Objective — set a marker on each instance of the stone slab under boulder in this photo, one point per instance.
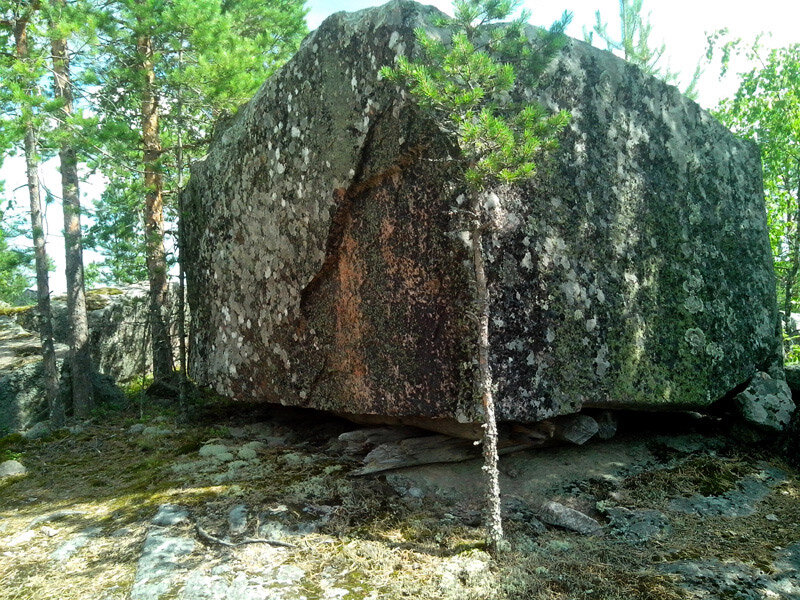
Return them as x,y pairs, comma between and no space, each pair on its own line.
326,268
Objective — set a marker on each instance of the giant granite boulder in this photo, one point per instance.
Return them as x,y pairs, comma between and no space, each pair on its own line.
327,269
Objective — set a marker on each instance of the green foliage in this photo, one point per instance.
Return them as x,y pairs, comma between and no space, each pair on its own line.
766,109
467,87
210,57
633,43
118,232
15,264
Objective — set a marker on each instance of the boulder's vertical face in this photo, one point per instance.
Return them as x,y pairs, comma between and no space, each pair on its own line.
326,268
641,273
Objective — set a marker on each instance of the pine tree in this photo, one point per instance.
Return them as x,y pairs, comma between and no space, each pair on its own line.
62,21
21,70
173,68
466,87
634,46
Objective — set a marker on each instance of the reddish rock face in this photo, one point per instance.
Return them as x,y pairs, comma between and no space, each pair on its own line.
328,267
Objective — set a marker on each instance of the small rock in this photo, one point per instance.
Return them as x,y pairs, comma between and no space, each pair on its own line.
218,452
69,548
76,429
793,377
169,515
122,532
38,431
767,402
49,531
12,468
237,519
55,516
136,428
562,516
606,425
160,566
416,492
772,517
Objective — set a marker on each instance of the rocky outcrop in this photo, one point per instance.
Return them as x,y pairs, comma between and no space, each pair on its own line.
118,328
326,267
119,339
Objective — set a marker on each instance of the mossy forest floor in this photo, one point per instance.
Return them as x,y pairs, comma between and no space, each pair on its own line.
689,508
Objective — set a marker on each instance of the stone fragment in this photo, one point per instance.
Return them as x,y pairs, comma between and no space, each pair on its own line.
326,268
11,468
69,548
237,519
136,428
558,515
160,567
169,515
606,425
767,402
793,377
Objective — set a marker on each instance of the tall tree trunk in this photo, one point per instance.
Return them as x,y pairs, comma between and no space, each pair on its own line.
794,266
154,214
79,354
182,381
493,519
55,407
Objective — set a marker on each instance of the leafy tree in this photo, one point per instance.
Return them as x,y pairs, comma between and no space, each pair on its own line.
766,109
634,46
466,87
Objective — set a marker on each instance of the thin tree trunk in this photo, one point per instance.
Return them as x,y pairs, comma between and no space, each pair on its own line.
79,354
56,409
794,268
493,519
153,215
182,381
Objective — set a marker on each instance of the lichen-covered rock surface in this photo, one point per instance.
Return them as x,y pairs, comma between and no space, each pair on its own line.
119,341
326,268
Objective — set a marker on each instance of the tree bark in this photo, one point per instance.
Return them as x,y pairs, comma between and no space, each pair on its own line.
794,268
154,214
183,380
79,354
56,408
493,518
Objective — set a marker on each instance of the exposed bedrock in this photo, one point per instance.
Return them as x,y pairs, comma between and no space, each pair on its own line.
326,268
